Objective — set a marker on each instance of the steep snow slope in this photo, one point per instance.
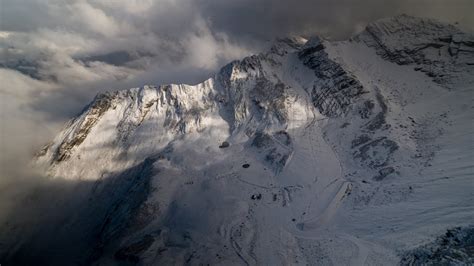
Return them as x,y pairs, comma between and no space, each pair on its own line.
315,152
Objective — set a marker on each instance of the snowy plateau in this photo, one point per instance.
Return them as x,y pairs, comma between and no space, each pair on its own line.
314,152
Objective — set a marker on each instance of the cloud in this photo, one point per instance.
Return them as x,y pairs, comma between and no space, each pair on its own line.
337,19
22,129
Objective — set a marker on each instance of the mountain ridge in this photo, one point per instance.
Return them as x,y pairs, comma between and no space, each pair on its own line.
326,143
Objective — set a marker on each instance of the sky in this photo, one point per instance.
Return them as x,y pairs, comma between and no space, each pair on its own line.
55,55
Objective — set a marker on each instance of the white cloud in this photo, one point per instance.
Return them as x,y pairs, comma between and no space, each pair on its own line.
22,129
94,19
205,49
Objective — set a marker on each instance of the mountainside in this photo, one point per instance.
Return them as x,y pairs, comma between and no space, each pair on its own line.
314,152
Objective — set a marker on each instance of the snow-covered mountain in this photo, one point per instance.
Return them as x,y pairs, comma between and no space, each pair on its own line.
315,152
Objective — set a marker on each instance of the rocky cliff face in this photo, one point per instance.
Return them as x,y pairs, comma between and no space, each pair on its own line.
334,89
307,153
246,97
439,50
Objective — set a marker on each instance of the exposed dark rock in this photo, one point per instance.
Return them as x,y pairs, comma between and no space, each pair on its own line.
224,144
131,252
256,196
270,99
360,140
366,110
276,158
408,40
384,172
276,148
311,50
377,152
283,137
262,140
379,120
345,125
245,165
335,89
283,45
93,113
455,247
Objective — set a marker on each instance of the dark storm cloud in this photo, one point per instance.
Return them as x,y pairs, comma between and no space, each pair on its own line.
338,19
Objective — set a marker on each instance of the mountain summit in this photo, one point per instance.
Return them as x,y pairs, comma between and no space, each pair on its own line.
313,152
